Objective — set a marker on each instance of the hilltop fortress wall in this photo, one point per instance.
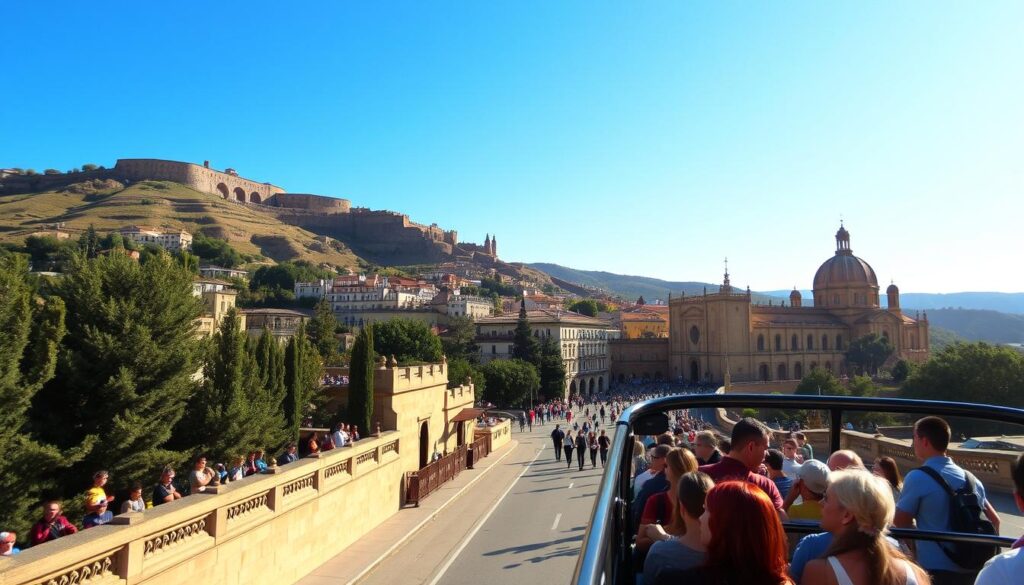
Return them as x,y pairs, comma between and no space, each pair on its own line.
385,236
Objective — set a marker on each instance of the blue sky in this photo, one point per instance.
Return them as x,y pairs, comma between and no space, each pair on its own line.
648,138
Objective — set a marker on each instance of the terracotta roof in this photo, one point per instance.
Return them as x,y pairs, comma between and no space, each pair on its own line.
793,316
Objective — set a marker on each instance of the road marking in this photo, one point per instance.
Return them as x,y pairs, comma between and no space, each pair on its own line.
465,542
555,524
571,484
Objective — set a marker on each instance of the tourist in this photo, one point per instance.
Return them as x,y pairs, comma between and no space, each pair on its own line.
339,436
844,459
775,461
657,483
567,445
164,491
557,437
857,511
792,457
93,494
924,499
290,455
603,443
885,467
200,477
810,485
261,465
310,444
7,541
354,434
52,525
684,550
222,473
581,448
806,450
134,501
592,441
744,539
99,515
660,515
237,469
640,461
250,464
326,442
749,442
1002,568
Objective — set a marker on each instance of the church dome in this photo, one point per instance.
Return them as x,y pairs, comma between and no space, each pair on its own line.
844,269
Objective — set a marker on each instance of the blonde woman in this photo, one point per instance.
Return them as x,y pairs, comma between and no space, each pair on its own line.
660,517
856,510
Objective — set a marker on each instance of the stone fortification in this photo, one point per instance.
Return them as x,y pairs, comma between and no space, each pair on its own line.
308,202
226,184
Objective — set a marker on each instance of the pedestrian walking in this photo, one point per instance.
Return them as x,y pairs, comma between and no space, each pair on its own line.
522,424
603,442
567,445
592,439
581,448
556,439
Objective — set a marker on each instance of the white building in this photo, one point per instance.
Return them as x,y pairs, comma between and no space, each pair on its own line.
172,240
583,342
221,272
469,306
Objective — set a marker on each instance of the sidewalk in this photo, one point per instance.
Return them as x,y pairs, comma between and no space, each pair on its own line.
364,555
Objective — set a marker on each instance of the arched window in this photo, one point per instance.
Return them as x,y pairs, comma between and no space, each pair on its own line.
824,342
835,299
828,367
778,342
839,342
798,371
782,372
763,373
694,334
760,343
810,342
794,343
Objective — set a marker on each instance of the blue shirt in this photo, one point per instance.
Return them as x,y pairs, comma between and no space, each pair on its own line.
784,484
926,500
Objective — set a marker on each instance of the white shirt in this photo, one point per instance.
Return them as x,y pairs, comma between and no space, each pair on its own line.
339,438
640,480
1000,569
790,467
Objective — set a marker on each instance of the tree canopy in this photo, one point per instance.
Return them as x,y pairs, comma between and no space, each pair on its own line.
408,340
974,372
820,381
510,382
866,354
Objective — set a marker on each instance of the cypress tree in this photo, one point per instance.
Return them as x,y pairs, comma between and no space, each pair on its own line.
32,332
321,333
126,368
524,345
267,392
292,404
360,382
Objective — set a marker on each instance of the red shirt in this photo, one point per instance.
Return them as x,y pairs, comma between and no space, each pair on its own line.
41,531
657,509
734,469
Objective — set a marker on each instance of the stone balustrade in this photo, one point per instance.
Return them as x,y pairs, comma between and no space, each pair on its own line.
501,434
272,528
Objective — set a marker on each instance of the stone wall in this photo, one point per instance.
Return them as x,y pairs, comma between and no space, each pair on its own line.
317,203
200,178
638,358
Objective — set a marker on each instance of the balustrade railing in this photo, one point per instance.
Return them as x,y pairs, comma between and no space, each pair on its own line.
425,481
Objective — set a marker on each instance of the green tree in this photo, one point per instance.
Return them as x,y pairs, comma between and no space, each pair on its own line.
901,371
407,340
89,167
32,332
586,307
459,342
866,354
862,386
510,382
524,344
321,330
89,242
460,369
360,381
551,370
303,371
977,372
126,366
820,381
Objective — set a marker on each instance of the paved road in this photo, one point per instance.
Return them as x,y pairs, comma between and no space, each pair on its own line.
523,523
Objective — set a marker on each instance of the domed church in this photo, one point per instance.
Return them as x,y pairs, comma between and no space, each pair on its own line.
724,331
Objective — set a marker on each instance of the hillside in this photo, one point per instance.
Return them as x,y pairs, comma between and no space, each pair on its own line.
993,301
979,325
168,205
630,287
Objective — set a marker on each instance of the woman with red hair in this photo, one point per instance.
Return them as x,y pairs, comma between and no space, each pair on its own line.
744,538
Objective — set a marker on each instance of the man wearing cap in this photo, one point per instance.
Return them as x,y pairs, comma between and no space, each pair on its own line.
7,548
811,483
100,515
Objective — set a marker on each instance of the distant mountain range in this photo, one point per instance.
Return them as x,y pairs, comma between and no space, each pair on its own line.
973,316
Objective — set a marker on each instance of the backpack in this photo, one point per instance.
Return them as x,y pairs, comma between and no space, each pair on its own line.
965,515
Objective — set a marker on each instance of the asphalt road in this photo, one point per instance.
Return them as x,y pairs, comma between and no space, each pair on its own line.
523,523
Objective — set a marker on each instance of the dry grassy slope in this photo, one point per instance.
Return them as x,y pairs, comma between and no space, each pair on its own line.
168,205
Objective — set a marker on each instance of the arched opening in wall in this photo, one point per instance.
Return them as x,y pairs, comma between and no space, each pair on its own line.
824,342
572,387
814,365
778,342
839,342
760,343
600,383
763,373
460,431
239,194
694,371
657,375
223,190
782,372
794,343
798,371
591,387
828,367
810,342
254,197
424,445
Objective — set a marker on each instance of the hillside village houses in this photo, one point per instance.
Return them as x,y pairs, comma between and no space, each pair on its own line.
359,300
169,240
583,342
211,271
218,298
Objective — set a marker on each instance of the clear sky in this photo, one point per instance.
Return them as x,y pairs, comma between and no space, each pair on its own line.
649,138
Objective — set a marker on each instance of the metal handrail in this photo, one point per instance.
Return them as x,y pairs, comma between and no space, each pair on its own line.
603,561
